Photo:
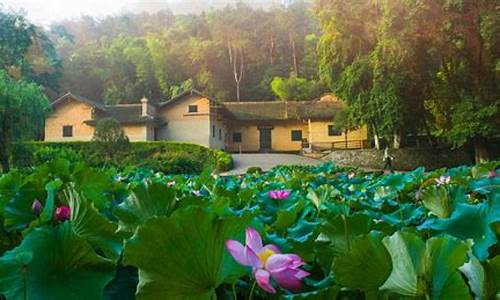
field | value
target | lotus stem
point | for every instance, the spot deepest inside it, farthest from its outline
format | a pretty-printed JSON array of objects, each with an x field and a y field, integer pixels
[
  {"x": 234, "y": 291},
  {"x": 250, "y": 296}
]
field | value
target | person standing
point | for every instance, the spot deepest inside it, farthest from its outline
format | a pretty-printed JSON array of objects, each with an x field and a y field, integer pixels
[{"x": 387, "y": 160}]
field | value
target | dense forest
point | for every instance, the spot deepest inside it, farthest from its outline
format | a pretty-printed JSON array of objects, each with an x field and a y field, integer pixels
[
  {"x": 232, "y": 53},
  {"x": 402, "y": 67}
]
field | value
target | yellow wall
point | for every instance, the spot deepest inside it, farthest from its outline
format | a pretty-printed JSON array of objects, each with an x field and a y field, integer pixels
[
  {"x": 72, "y": 113},
  {"x": 197, "y": 128},
  {"x": 319, "y": 135},
  {"x": 281, "y": 135},
  {"x": 136, "y": 133},
  {"x": 184, "y": 126}
]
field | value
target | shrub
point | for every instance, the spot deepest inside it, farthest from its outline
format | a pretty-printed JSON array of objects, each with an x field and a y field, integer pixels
[
  {"x": 169, "y": 157},
  {"x": 21, "y": 155},
  {"x": 109, "y": 138},
  {"x": 254, "y": 170},
  {"x": 44, "y": 154},
  {"x": 223, "y": 161}
]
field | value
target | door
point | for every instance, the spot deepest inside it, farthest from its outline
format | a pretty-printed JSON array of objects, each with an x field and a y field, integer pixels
[{"x": 265, "y": 139}]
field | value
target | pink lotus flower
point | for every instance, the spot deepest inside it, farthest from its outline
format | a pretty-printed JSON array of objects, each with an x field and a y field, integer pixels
[
  {"x": 62, "y": 213},
  {"x": 279, "y": 194},
  {"x": 36, "y": 207},
  {"x": 492, "y": 174},
  {"x": 197, "y": 193},
  {"x": 443, "y": 180},
  {"x": 268, "y": 262}
]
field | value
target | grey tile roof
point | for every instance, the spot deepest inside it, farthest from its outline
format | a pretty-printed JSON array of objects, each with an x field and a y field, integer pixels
[
  {"x": 282, "y": 110},
  {"x": 69, "y": 95}
]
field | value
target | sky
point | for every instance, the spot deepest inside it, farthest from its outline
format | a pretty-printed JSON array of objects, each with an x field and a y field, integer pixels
[{"x": 44, "y": 12}]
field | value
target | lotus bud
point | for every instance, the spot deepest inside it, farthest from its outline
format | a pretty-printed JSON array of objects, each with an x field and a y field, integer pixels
[
  {"x": 63, "y": 213},
  {"x": 36, "y": 207},
  {"x": 418, "y": 195}
]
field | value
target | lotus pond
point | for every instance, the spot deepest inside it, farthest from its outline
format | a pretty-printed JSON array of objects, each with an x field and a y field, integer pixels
[{"x": 74, "y": 232}]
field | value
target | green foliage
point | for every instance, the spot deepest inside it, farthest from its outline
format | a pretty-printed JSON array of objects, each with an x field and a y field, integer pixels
[
  {"x": 26, "y": 52},
  {"x": 168, "y": 157},
  {"x": 22, "y": 106},
  {"x": 139, "y": 233},
  {"x": 109, "y": 138},
  {"x": 145, "y": 202},
  {"x": 187, "y": 260},
  {"x": 368, "y": 256},
  {"x": 295, "y": 88},
  {"x": 412, "y": 67},
  {"x": 55, "y": 263},
  {"x": 426, "y": 269},
  {"x": 158, "y": 55}
]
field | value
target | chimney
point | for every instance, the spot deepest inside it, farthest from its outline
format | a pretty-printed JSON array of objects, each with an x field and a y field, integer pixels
[{"x": 144, "y": 102}]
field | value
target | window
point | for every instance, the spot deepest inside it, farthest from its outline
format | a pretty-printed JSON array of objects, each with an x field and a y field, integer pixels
[
  {"x": 237, "y": 137},
  {"x": 213, "y": 131},
  {"x": 333, "y": 131},
  {"x": 67, "y": 131},
  {"x": 220, "y": 134},
  {"x": 193, "y": 108},
  {"x": 296, "y": 135}
]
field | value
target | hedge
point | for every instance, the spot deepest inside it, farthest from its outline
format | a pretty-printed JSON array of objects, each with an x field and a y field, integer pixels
[{"x": 168, "y": 157}]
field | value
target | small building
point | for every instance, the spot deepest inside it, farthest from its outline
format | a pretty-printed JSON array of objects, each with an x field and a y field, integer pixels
[{"x": 193, "y": 117}]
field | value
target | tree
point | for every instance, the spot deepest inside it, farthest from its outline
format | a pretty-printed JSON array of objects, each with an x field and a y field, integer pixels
[
  {"x": 27, "y": 60},
  {"x": 22, "y": 105},
  {"x": 26, "y": 51},
  {"x": 109, "y": 137},
  {"x": 344, "y": 51},
  {"x": 295, "y": 88},
  {"x": 465, "y": 100}
]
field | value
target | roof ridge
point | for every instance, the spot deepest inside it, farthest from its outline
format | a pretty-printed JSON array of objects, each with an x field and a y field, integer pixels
[{"x": 123, "y": 105}]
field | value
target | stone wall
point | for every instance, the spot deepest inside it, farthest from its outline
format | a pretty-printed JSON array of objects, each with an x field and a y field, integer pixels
[{"x": 404, "y": 159}]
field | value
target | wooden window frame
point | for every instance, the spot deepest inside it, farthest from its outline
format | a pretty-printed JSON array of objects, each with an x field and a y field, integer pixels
[
  {"x": 333, "y": 131},
  {"x": 239, "y": 139},
  {"x": 65, "y": 132},
  {"x": 296, "y": 135},
  {"x": 192, "y": 108}
]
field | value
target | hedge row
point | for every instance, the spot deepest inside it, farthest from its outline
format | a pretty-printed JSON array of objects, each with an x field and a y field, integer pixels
[{"x": 168, "y": 157}]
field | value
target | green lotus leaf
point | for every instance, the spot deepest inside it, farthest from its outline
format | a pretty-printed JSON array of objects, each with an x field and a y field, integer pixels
[
  {"x": 471, "y": 222},
  {"x": 341, "y": 230},
  {"x": 18, "y": 214},
  {"x": 426, "y": 269},
  {"x": 367, "y": 256},
  {"x": 95, "y": 185},
  {"x": 436, "y": 199},
  {"x": 144, "y": 203},
  {"x": 48, "y": 210},
  {"x": 184, "y": 255},
  {"x": 322, "y": 294},
  {"x": 93, "y": 226},
  {"x": 492, "y": 271},
  {"x": 54, "y": 263},
  {"x": 10, "y": 184},
  {"x": 287, "y": 217},
  {"x": 476, "y": 276}
]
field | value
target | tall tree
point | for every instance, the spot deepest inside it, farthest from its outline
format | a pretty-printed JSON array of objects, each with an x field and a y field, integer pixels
[
  {"x": 21, "y": 104},
  {"x": 465, "y": 100},
  {"x": 27, "y": 60}
]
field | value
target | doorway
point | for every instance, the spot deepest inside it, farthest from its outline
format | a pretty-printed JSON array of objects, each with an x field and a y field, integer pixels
[{"x": 265, "y": 139}]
